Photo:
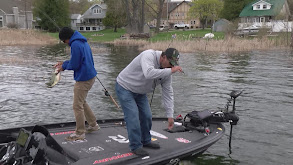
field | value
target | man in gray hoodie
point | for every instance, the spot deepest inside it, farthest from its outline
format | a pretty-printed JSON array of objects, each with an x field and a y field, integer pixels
[{"x": 148, "y": 69}]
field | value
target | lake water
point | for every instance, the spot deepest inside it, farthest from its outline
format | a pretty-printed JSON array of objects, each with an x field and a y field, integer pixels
[{"x": 263, "y": 135}]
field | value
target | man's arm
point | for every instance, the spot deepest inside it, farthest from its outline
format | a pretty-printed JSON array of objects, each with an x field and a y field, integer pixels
[
  {"x": 76, "y": 58},
  {"x": 148, "y": 58},
  {"x": 168, "y": 100}
]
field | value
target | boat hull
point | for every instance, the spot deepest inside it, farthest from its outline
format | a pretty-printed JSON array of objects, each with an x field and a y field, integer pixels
[{"x": 110, "y": 144}]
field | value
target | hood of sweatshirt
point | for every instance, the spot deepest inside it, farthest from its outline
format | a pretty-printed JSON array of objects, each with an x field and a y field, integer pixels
[{"x": 77, "y": 36}]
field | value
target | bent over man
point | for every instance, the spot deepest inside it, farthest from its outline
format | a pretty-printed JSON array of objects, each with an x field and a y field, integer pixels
[{"x": 148, "y": 69}]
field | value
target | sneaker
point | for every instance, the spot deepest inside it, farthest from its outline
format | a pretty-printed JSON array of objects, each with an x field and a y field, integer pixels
[
  {"x": 140, "y": 152},
  {"x": 74, "y": 137},
  {"x": 90, "y": 129},
  {"x": 152, "y": 145}
]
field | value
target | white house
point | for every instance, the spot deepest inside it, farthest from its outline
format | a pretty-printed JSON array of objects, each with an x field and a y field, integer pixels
[
  {"x": 75, "y": 19},
  {"x": 91, "y": 20},
  {"x": 16, "y": 13},
  {"x": 270, "y": 14}
]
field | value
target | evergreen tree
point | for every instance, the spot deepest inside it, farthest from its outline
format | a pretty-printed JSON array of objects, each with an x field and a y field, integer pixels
[
  {"x": 52, "y": 14},
  {"x": 232, "y": 8}
]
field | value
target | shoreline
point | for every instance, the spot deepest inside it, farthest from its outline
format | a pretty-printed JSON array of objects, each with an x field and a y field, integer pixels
[
  {"x": 18, "y": 37},
  {"x": 230, "y": 44}
]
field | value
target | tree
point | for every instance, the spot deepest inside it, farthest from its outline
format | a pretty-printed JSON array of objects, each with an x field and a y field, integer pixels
[
  {"x": 156, "y": 7},
  {"x": 205, "y": 10},
  {"x": 115, "y": 16},
  {"x": 135, "y": 15},
  {"x": 52, "y": 14},
  {"x": 232, "y": 8}
]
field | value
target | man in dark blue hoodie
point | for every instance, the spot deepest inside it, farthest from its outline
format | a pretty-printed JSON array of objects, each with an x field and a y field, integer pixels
[{"x": 81, "y": 62}]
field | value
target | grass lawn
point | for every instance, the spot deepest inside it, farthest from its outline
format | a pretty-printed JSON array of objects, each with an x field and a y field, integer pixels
[
  {"x": 185, "y": 35},
  {"x": 108, "y": 35}
]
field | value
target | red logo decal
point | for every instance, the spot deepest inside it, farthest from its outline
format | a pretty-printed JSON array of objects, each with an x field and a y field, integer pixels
[
  {"x": 183, "y": 140},
  {"x": 62, "y": 133},
  {"x": 113, "y": 158}
]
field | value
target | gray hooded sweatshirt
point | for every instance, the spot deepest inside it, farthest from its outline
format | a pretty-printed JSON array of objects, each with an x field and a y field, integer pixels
[{"x": 143, "y": 74}]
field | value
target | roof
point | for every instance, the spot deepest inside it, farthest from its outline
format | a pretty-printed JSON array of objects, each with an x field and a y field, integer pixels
[
  {"x": 222, "y": 21},
  {"x": 171, "y": 6},
  {"x": 174, "y": 7},
  {"x": 88, "y": 14},
  {"x": 277, "y": 5},
  {"x": 6, "y": 6},
  {"x": 264, "y": 1},
  {"x": 75, "y": 16}
]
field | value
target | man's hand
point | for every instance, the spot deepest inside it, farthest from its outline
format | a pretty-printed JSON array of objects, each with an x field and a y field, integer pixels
[
  {"x": 170, "y": 123},
  {"x": 58, "y": 67},
  {"x": 58, "y": 64},
  {"x": 176, "y": 69}
]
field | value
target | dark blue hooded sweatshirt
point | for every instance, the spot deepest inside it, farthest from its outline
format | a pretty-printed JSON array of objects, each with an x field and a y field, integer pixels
[{"x": 81, "y": 61}]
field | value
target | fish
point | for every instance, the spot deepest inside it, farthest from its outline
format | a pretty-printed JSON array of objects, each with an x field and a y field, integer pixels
[{"x": 54, "y": 79}]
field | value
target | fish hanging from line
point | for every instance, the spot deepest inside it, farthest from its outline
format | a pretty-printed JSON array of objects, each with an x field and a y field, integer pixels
[{"x": 54, "y": 79}]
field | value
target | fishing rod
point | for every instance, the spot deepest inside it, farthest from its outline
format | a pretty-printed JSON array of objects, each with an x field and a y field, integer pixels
[
  {"x": 46, "y": 15},
  {"x": 173, "y": 37},
  {"x": 108, "y": 94}
]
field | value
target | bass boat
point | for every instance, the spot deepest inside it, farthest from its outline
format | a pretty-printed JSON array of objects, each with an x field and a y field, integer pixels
[{"x": 46, "y": 145}]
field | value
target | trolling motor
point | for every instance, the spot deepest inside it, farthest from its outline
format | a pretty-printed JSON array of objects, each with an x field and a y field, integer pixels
[{"x": 200, "y": 120}]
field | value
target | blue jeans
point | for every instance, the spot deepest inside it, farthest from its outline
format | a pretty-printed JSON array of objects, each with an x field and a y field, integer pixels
[{"x": 137, "y": 115}]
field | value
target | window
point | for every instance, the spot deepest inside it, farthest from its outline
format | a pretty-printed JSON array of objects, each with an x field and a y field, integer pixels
[
  {"x": 97, "y": 11},
  {"x": 1, "y": 18},
  {"x": 81, "y": 28},
  {"x": 264, "y": 7},
  {"x": 262, "y": 19},
  {"x": 94, "y": 28},
  {"x": 87, "y": 28},
  {"x": 258, "y": 6}
]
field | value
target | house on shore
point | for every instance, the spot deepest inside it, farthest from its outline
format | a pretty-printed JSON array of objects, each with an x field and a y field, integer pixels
[
  {"x": 91, "y": 20},
  {"x": 16, "y": 14},
  {"x": 75, "y": 19},
  {"x": 177, "y": 13},
  {"x": 270, "y": 14}
]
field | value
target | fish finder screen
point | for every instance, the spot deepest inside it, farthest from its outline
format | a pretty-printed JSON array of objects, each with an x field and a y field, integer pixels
[{"x": 22, "y": 138}]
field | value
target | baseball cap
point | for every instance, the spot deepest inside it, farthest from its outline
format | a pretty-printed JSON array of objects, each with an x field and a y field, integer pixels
[{"x": 172, "y": 55}]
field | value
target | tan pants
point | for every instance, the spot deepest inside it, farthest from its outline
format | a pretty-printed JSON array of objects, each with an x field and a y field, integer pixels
[{"x": 81, "y": 109}]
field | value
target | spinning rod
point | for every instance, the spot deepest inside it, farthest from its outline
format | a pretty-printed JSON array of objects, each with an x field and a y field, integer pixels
[{"x": 108, "y": 94}]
